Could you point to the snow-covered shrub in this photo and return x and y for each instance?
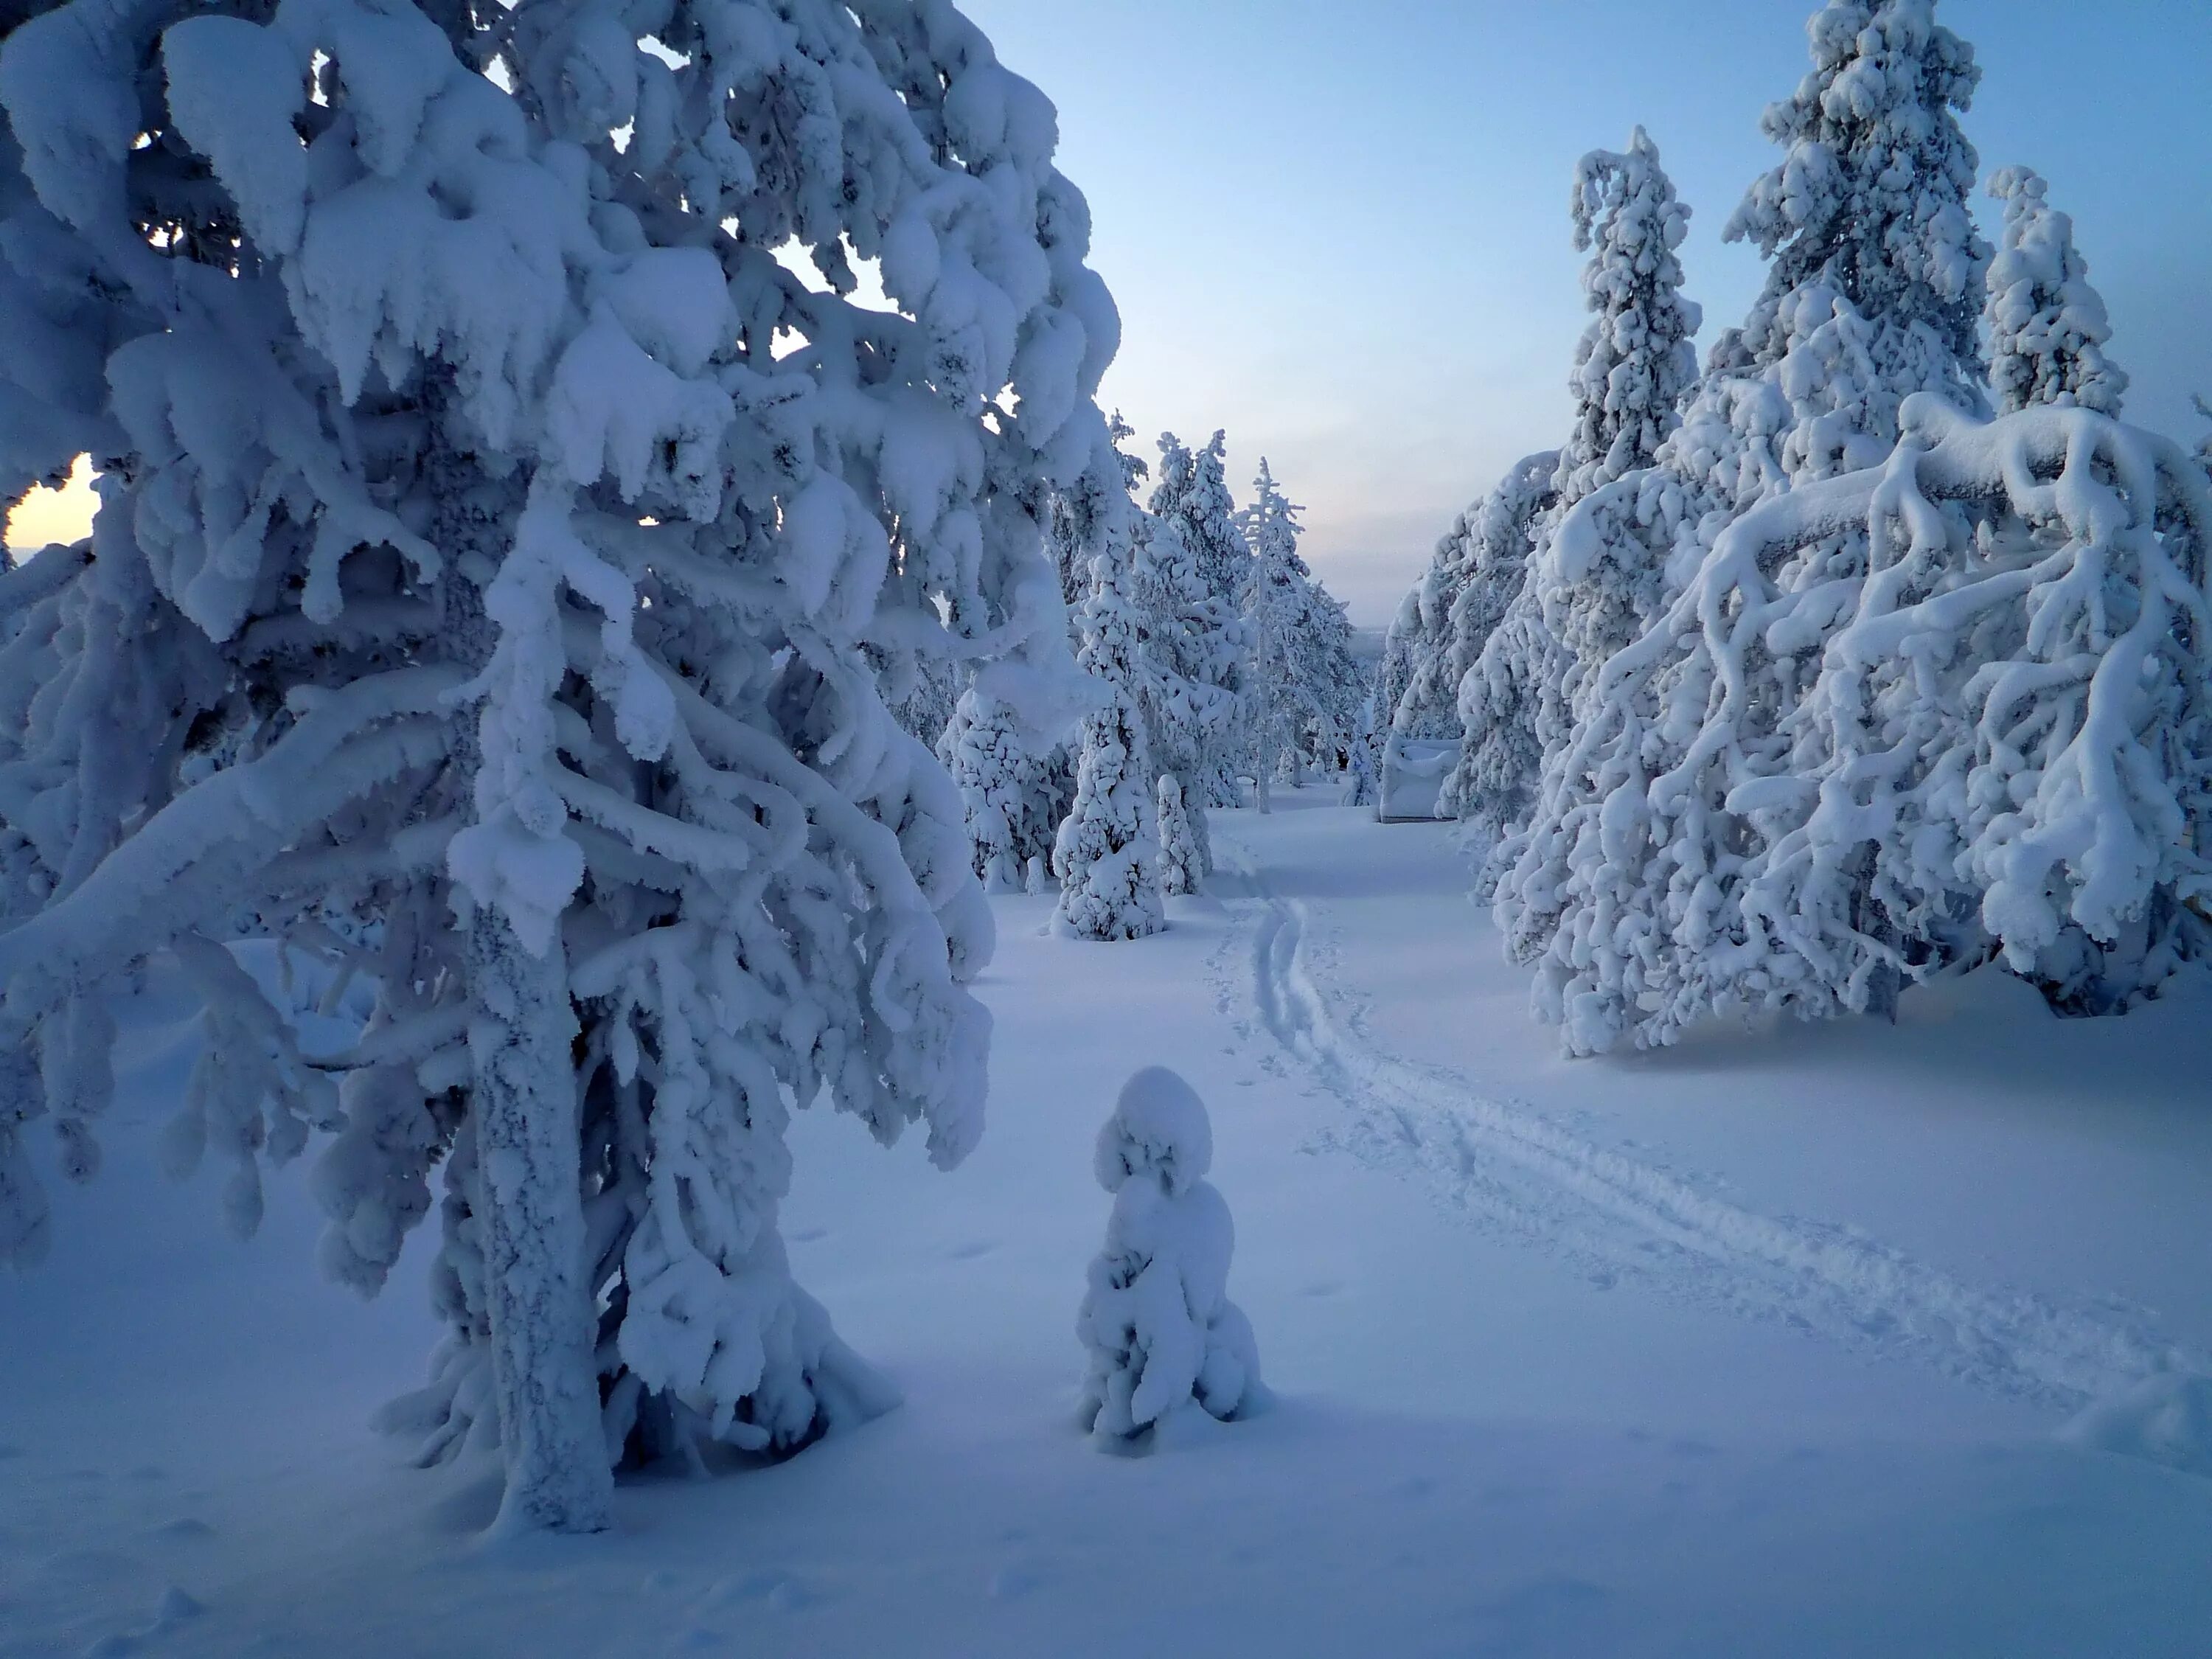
(1899, 719)
(493, 528)
(2047, 327)
(1157, 1321)
(1192, 497)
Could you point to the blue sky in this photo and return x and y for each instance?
(1340, 231)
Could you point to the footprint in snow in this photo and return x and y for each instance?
(187, 1527)
(808, 1235)
(969, 1252)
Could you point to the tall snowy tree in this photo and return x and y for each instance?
(1107, 855)
(2047, 325)
(1520, 669)
(1634, 360)
(1191, 496)
(1496, 659)
(1188, 707)
(1277, 603)
(1873, 293)
(493, 529)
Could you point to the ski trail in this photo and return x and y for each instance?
(1519, 1172)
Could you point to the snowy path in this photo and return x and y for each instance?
(1523, 1175)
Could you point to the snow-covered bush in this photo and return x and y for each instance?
(1900, 719)
(1157, 1321)
(1192, 498)
(2047, 327)
(492, 527)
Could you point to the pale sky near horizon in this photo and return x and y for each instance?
(1340, 231)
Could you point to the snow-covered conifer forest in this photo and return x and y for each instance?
(595, 590)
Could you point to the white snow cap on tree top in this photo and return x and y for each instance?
(1159, 1129)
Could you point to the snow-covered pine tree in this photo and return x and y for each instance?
(1192, 495)
(1873, 296)
(1520, 665)
(1181, 869)
(1874, 285)
(1858, 745)
(1157, 1322)
(1277, 606)
(1107, 853)
(1183, 632)
(1896, 723)
(2047, 325)
(1498, 660)
(1006, 770)
(1634, 360)
(492, 526)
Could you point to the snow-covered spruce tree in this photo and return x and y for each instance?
(1901, 720)
(468, 548)
(1006, 768)
(1499, 661)
(1181, 869)
(1157, 1321)
(1873, 295)
(1183, 631)
(1875, 286)
(1276, 601)
(1306, 685)
(1192, 495)
(2047, 325)
(1107, 852)
(1519, 665)
(1634, 360)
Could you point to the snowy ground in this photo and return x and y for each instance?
(1757, 1347)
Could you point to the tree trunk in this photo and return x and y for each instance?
(525, 1105)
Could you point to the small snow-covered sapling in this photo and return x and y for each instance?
(1159, 1328)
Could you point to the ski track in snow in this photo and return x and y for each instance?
(1520, 1173)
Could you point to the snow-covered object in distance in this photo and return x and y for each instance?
(2047, 327)
(1107, 853)
(1904, 719)
(1181, 868)
(1413, 774)
(490, 592)
(1157, 1321)
(1304, 682)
